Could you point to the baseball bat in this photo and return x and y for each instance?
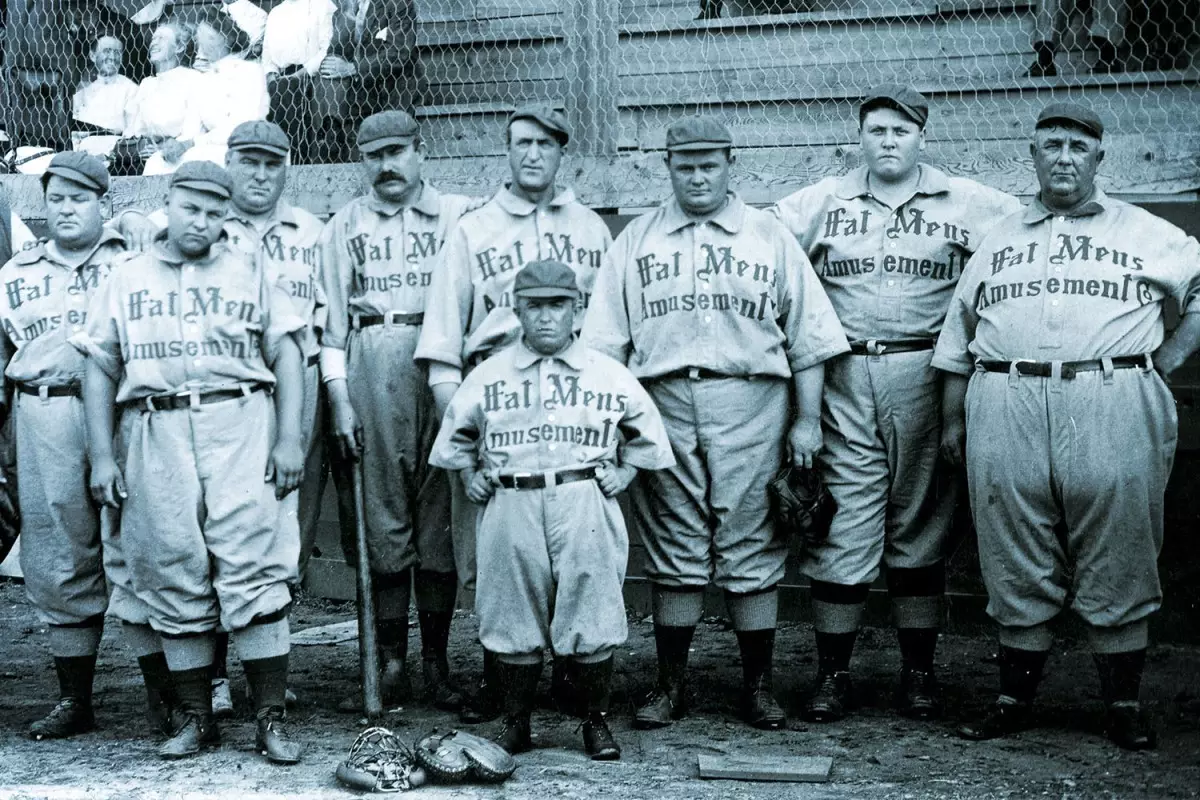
(368, 646)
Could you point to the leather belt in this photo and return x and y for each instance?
(528, 480)
(313, 360)
(1069, 369)
(876, 347)
(693, 374)
(174, 402)
(70, 390)
(390, 318)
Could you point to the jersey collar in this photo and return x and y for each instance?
(520, 207)
(1036, 211)
(730, 218)
(572, 355)
(160, 251)
(429, 203)
(40, 252)
(284, 214)
(854, 184)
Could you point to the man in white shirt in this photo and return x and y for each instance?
(295, 44)
(106, 102)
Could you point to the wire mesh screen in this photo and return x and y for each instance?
(148, 83)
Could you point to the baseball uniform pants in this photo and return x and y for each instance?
(551, 569)
(200, 524)
(1067, 480)
(407, 501)
(882, 421)
(61, 551)
(708, 517)
(302, 508)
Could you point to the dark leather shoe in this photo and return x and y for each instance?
(660, 708)
(830, 698)
(760, 710)
(394, 683)
(69, 717)
(483, 707)
(195, 731)
(920, 694)
(1007, 716)
(440, 690)
(598, 740)
(272, 741)
(1128, 726)
(514, 735)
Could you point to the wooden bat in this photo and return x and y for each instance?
(368, 646)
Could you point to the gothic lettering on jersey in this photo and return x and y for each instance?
(1127, 290)
(565, 392)
(548, 433)
(20, 291)
(493, 262)
(1084, 248)
(916, 222)
(839, 222)
(759, 309)
(196, 302)
(276, 250)
(241, 348)
(717, 261)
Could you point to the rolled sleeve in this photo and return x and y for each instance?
(813, 331)
(1187, 290)
(457, 443)
(645, 444)
(606, 326)
(952, 353)
(100, 340)
(336, 272)
(448, 306)
(282, 318)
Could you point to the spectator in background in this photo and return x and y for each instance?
(231, 92)
(371, 66)
(297, 37)
(1103, 25)
(40, 69)
(251, 19)
(107, 101)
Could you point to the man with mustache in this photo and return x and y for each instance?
(889, 241)
(471, 304)
(1056, 362)
(198, 347)
(379, 254)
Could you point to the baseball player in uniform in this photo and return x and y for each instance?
(47, 288)
(889, 240)
(380, 254)
(1055, 355)
(192, 341)
(716, 309)
(283, 237)
(470, 311)
(546, 433)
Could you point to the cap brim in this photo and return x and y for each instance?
(1074, 123)
(699, 146)
(547, 291)
(208, 187)
(915, 116)
(379, 144)
(264, 148)
(75, 176)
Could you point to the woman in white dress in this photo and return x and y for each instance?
(161, 104)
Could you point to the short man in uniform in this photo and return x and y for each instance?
(379, 255)
(47, 288)
(470, 311)
(889, 241)
(191, 341)
(1070, 427)
(546, 433)
(716, 309)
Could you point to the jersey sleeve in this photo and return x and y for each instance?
(958, 331)
(102, 336)
(448, 304)
(461, 431)
(644, 437)
(336, 274)
(282, 317)
(809, 322)
(798, 215)
(606, 326)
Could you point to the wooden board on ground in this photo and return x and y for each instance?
(796, 769)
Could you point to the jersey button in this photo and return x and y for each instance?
(708, 319)
(891, 283)
(553, 447)
(550, 417)
(1053, 302)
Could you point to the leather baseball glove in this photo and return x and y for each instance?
(801, 505)
(458, 757)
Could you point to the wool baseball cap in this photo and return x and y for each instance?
(203, 176)
(549, 118)
(1080, 116)
(698, 133)
(78, 167)
(386, 128)
(905, 99)
(545, 279)
(260, 135)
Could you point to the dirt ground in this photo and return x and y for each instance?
(876, 754)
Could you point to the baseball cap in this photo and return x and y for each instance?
(78, 167)
(545, 279)
(549, 118)
(203, 176)
(260, 135)
(386, 128)
(698, 133)
(905, 99)
(1080, 116)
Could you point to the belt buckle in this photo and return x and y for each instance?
(874, 348)
(1067, 372)
(693, 373)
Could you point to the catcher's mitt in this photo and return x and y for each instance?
(379, 762)
(458, 756)
(801, 505)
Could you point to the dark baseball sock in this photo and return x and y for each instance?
(918, 647)
(193, 689)
(672, 643)
(268, 681)
(1021, 671)
(758, 650)
(834, 651)
(1120, 675)
(157, 676)
(221, 655)
(834, 648)
(435, 593)
(393, 638)
(75, 675)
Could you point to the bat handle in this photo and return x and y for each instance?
(368, 646)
